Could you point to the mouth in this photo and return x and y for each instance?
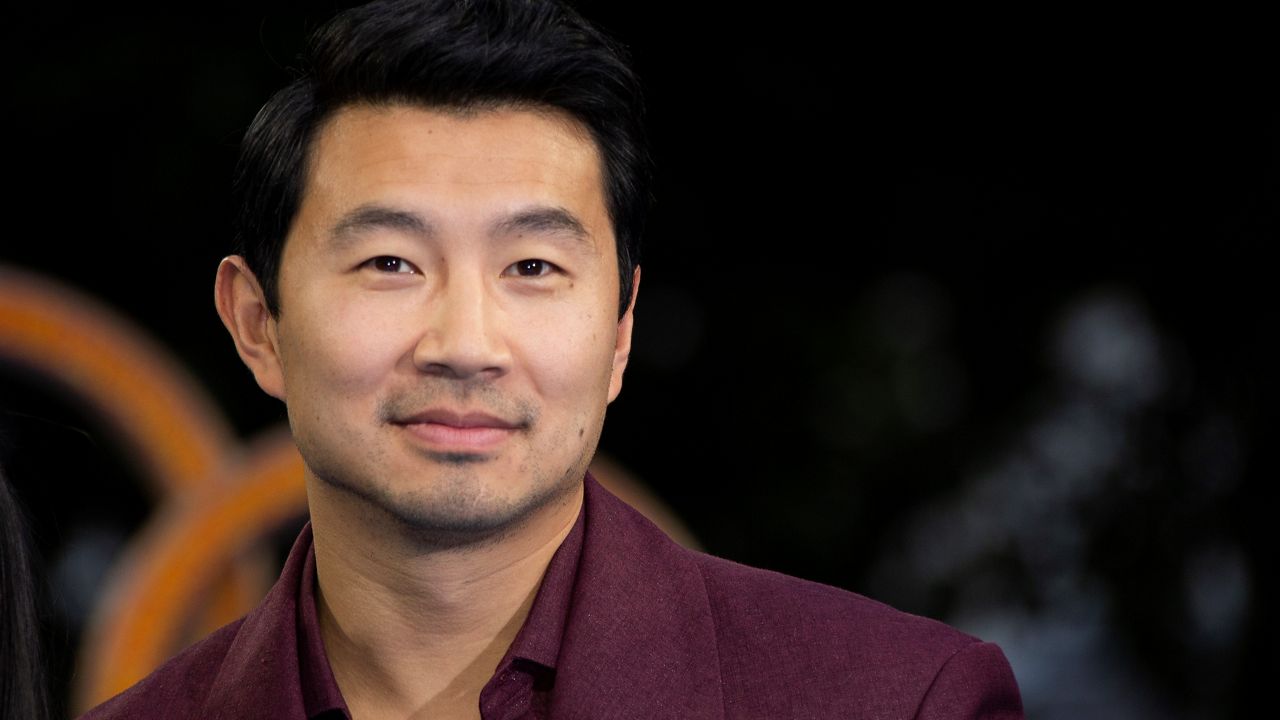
(449, 431)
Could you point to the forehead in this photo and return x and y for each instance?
(483, 157)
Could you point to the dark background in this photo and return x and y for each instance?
(963, 313)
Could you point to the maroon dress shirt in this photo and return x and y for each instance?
(626, 624)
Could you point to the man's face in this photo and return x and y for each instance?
(448, 337)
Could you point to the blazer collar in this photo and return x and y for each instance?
(640, 639)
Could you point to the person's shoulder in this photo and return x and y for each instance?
(750, 598)
(741, 595)
(819, 649)
(787, 647)
(176, 689)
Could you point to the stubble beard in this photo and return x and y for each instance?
(453, 506)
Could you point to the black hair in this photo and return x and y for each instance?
(452, 54)
(22, 677)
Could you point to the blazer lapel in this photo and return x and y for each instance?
(640, 639)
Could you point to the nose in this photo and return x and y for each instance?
(462, 336)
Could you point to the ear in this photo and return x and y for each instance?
(243, 309)
(622, 347)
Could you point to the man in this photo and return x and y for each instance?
(437, 275)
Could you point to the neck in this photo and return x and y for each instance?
(412, 627)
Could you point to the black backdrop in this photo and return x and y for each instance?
(965, 313)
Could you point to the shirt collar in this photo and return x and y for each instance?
(540, 637)
(320, 693)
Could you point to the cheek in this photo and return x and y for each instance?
(569, 357)
(341, 347)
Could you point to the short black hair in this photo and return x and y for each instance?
(452, 54)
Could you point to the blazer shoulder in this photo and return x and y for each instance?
(820, 650)
(175, 689)
(976, 682)
(747, 598)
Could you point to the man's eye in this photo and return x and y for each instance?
(530, 268)
(390, 264)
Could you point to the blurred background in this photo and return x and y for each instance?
(966, 314)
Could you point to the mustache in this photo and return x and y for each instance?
(470, 397)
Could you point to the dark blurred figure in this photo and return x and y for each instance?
(22, 677)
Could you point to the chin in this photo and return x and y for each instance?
(460, 511)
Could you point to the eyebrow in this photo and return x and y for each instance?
(379, 217)
(535, 220)
(542, 221)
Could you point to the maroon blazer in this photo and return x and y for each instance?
(653, 631)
